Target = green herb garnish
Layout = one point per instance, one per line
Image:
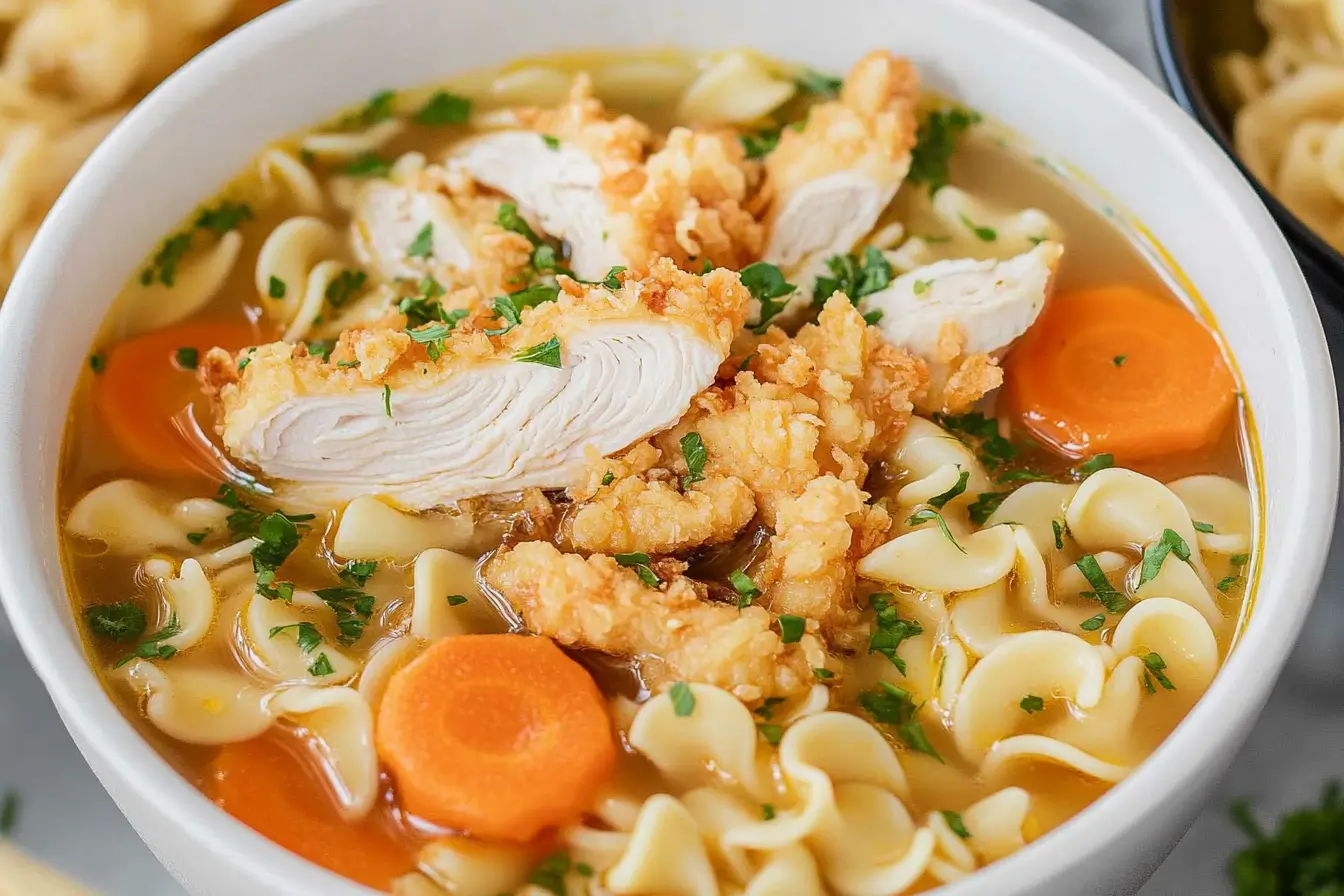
(773, 734)
(369, 164)
(693, 450)
(352, 608)
(444, 108)
(456, 600)
(791, 628)
(853, 277)
(1100, 462)
(746, 589)
(276, 288)
(121, 621)
(1094, 623)
(984, 234)
(306, 635)
(345, 286)
(1031, 703)
(890, 705)
(187, 358)
(925, 516)
(890, 629)
(1156, 553)
(683, 699)
(767, 285)
(1155, 666)
(552, 143)
(761, 143)
(816, 83)
(423, 244)
(640, 564)
(936, 143)
(152, 647)
(1102, 590)
(358, 572)
(954, 822)
(224, 217)
(939, 501)
(546, 353)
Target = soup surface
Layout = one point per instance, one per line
(655, 474)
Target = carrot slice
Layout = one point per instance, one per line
(1119, 371)
(143, 386)
(501, 736)
(264, 784)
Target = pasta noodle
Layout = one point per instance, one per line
(1289, 104)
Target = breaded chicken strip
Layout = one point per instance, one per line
(634, 515)
(673, 634)
(438, 414)
(595, 190)
(821, 403)
(829, 181)
(819, 536)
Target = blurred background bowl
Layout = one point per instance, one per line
(1189, 35)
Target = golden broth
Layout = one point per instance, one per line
(646, 85)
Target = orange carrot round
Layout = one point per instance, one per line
(1119, 371)
(501, 736)
(264, 784)
(144, 384)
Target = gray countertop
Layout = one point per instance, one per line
(68, 820)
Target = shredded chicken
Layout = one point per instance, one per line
(819, 536)
(673, 634)
(820, 403)
(636, 516)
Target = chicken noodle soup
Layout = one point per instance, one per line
(655, 474)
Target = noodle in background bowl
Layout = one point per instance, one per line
(1037, 74)
(1190, 36)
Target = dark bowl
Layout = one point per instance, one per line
(1189, 35)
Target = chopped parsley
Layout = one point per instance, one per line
(746, 589)
(276, 288)
(277, 537)
(853, 277)
(954, 822)
(683, 699)
(1156, 553)
(321, 666)
(767, 285)
(1059, 533)
(1093, 623)
(791, 628)
(552, 143)
(352, 608)
(640, 564)
(816, 83)
(1155, 666)
(983, 507)
(550, 874)
(242, 364)
(444, 108)
(823, 674)
(163, 266)
(939, 501)
(1114, 601)
(761, 143)
(1226, 583)
(1206, 528)
(546, 353)
(423, 244)
(345, 286)
(1031, 703)
(772, 733)
(767, 708)
(432, 337)
(1100, 462)
(981, 434)
(187, 358)
(508, 218)
(246, 520)
(378, 108)
(608, 478)
(890, 705)
(509, 308)
(1118, 360)
(924, 516)
(612, 281)
(936, 143)
(1304, 856)
(922, 286)
(693, 450)
(874, 317)
(197, 537)
(369, 164)
(358, 572)
(1023, 476)
(152, 647)
(984, 234)
(890, 630)
(456, 600)
(121, 621)
(224, 217)
(387, 400)
(1240, 559)
(97, 362)
(767, 812)
(306, 635)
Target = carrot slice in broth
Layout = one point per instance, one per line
(144, 384)
(501, 736)
(264, 784)
(1120, 371)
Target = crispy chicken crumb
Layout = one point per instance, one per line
(633, 515)
(673, 634)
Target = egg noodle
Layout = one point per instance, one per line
(752, 400)
(1289, 101)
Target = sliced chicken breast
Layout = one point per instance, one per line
(832, 179)
(431, 416)
(583, 178)
(389, 217)
(991, 302)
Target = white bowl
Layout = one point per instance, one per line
(1024, 66)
